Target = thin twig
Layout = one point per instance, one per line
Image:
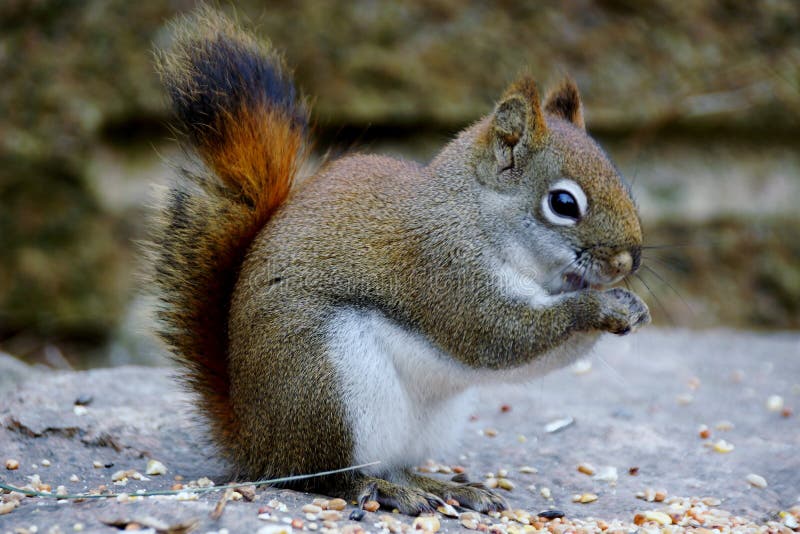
(281, 480)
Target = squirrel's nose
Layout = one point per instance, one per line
(622, 263)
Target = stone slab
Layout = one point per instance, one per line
(639, 405)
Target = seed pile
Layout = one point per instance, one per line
(330, 516)
(678, 515)
(499, 480)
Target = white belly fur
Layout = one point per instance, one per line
(405, 400)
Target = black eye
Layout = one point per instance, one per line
(564, 204)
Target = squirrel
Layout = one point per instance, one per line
(347, 319)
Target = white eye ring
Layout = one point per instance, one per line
(572, 188)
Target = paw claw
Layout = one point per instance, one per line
(623, 312)
(476, 496)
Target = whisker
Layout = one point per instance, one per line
(562, 271)
(663, 281)
(665, 263)
(627, 284)
(657, 247)
(657, 300)
(635, 176)
(621, 380)
(679, 245)
(584, 271)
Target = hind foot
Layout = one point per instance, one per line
(408, 499)
(472, 495)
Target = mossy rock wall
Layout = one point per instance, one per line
(78, 85)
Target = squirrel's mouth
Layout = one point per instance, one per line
(573, 282)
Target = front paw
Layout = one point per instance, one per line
(622, 311)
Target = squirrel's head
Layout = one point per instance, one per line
(566, 215)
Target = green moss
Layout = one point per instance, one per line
(62, 264)
(73, 72)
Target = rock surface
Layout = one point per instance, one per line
(639, 405)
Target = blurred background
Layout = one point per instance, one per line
(698, 102)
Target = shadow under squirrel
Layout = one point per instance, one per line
(348, 320)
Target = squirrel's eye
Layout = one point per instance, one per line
(564, 204)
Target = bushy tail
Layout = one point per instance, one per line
(235, 104)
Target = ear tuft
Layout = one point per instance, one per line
(509, 120)
(565, 102)
(518, 125)
(529, 109)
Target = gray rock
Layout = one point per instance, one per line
(14, 372)
(625, 408)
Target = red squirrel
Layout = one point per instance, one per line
(347, 320)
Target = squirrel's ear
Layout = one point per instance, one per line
(565, 102)
(517, 124)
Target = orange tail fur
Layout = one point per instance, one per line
(238, 108)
